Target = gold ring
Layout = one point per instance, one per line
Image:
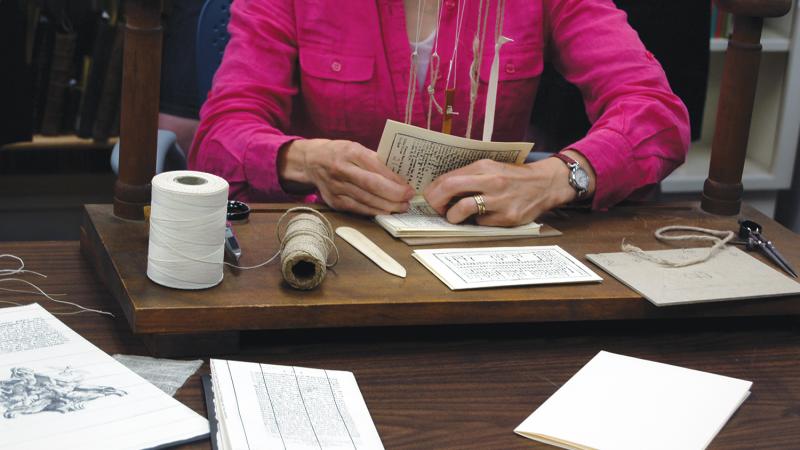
(480, 203)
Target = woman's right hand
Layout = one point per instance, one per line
(349, 176)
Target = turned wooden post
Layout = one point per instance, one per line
(141, 80)
(722, 191)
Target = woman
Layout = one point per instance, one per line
(304, 90)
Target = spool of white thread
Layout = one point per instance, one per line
(187, 229)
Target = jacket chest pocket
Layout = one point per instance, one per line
(337, 91)
(520, 69)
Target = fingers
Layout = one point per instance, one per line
(366, 197)
(350, 177)
(512, 195)
(500, 212)
(481, 176)
(463, 209)
(344, 203)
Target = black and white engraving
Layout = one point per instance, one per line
(30, 392)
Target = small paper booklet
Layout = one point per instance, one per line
(623, 403)
(422, 221)
(730, 274)
(472, 268)
(420, 156)
(57, 390)
(284, 407)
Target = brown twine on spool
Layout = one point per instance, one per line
(306, 246)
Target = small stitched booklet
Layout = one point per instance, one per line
(420, 156)
(730, 274)
(265, 406)
(623, 403)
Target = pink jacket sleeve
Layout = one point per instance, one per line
(640, 130)
(248, 109)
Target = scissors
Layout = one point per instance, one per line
(750, 233)
(237, 211)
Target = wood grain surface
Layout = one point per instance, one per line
(358, 293)
(468, 386)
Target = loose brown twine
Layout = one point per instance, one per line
(306, 246)
(719, 237)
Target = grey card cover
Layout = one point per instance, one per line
(731, 274)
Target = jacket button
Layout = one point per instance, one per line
(450, 4)
(336, 66)
(510, 68)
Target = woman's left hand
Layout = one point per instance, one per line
(513, 195)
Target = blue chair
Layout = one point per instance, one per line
(211, 38)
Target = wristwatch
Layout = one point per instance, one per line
(578, 178)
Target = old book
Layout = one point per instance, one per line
(40, 67)
(420, 156)
(109, 103)
(60, 68)
(270, 406)
(99, 67)
(623, 403)
(57, 390)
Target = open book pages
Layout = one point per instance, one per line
(730, 274)
(423, 221)
(269, 406)
(57, 390)
(623, 403)
(421, 155)
(473, 268)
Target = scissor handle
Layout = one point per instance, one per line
(748, 228)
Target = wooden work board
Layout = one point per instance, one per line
(356, 293)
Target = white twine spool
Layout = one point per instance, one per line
(187, 229)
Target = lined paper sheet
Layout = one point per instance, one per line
(57, 390)
(283, 407)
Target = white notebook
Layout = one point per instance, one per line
(623, 403)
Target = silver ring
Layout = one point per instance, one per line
(480, 204)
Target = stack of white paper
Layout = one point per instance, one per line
(422, 221)
(623, 403)
(57, 390)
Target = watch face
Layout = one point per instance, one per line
(581, 179)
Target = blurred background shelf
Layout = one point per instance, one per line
(775, 125)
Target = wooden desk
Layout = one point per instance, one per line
(356, 293)
(468, 386)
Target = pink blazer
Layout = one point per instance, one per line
(339, 69)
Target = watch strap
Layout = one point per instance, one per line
(573, 166)
(567, 160)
